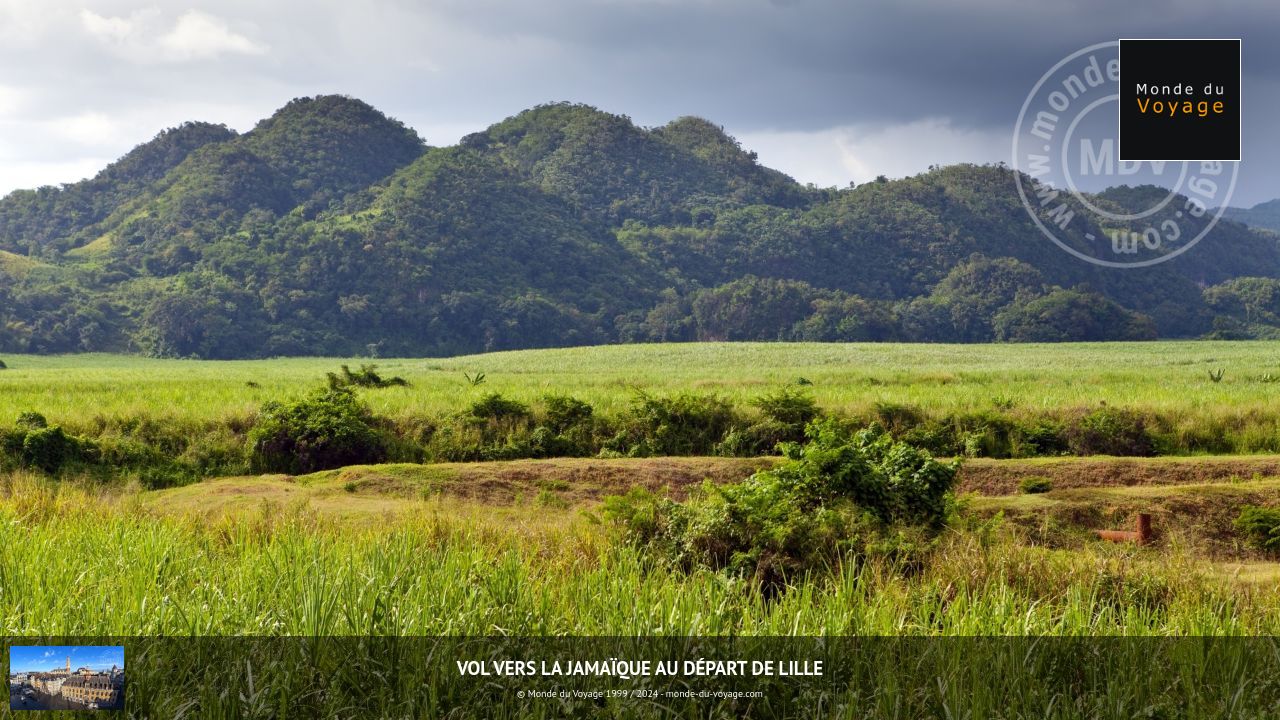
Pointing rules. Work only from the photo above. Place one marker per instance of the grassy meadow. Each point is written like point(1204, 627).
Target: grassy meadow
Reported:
point(1169, 377)
point(166, 562)
point(339, 603)
point(520, 548)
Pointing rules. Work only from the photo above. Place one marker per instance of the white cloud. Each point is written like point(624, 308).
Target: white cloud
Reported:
point(859, 153)
point(113, 29)
point(29, 175)
point(198, 35)
point(12, 100)
point(25, 25)
point(90, 128)
point(142, 36)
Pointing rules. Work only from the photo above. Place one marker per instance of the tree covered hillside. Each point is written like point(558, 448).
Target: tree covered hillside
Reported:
point(1263, 215)
point(331, 229)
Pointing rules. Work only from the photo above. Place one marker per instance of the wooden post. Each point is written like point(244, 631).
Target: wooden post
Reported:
point(1144, 528)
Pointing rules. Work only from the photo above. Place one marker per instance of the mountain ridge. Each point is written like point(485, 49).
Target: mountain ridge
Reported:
point(1264, 215)
point(330, 228)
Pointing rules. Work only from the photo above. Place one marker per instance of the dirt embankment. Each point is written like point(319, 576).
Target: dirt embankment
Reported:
point(576, 480)
point(586, 480)
point(1001, 477)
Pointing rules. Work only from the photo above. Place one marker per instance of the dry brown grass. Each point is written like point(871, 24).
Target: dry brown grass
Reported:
point(1001, 477)
point(1195, 519)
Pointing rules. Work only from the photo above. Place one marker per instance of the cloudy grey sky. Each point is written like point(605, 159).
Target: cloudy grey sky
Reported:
point(828, 91)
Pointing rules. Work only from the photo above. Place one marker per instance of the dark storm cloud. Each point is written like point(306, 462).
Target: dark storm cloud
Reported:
point(810, 65)
point(86, 80)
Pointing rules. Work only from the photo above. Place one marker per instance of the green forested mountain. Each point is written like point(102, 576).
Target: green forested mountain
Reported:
point(331, 229)
point(1263, 215)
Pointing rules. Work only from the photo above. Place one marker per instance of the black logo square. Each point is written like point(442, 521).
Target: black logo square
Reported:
point(1179, 100)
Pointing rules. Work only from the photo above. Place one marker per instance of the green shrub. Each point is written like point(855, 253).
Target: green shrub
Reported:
point(496, 428)
point(788, 406)
point(984, 434)
point(495, 407)
point(762, 438)
point(936, 436)
point(541, 442)
point(1042, 436)
point(3, 366)
point(1260, 527)
point(32, 420)
point(11, 446)
point(493, 428)
point(1035, 484)
point(840, 492)
point(142, 458)
point(366, 377)
point(50, 448)
point(684, 424)
point(785, 415)
point(1109, 431)
point(565, 413)
point(327, 429)
point(898, 417)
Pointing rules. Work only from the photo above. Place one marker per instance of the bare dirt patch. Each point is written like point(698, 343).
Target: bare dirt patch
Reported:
point(1001, 477)
point(584, 480)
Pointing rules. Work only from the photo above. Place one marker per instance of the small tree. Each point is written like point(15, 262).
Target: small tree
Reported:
point(328, 429)
point(835, 494)
point(367, 376)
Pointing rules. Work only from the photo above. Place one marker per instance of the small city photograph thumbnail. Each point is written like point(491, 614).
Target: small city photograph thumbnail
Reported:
point(66, 677)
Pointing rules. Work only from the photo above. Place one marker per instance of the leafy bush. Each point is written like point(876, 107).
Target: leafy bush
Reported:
point(327, 429)
point(46, 448)
point(3, 366)
point(493, 428)
point(34, 443)
point(153, 467)
point(367, 376)
point(788, 406)
point(32, 420)
point(840, 492)
point(761, 438)
point(495, 407)
point(11, 446)
point(565, 413)
point(1261, 527)
point(898, 417)
point(1109, 431)
point(785, 415)
point(684, 424)
point(1035, 484)
point(1043, 436)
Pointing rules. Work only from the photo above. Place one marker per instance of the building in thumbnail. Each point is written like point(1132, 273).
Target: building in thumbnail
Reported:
point(84, 687)
point(49, 683)
point(94, 688)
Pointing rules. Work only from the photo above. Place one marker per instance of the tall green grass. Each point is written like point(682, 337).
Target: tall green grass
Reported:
point(1167, 376)
point(198, 411)
point(75, 562)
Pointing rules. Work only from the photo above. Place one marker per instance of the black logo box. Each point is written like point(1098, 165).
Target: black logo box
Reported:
point(1180, 62)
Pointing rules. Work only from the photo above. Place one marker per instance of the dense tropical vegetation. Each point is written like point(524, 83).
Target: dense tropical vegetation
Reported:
point(332, 229)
